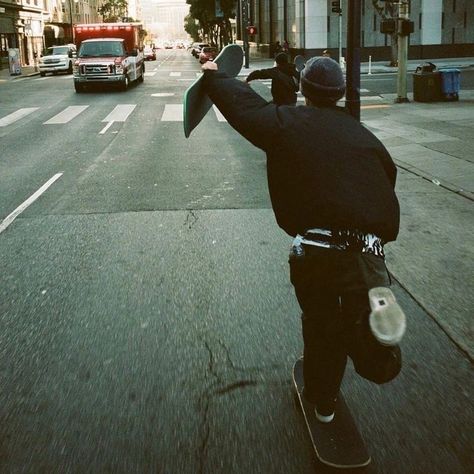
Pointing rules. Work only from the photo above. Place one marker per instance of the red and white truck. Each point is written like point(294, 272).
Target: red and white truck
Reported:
point(108, 53)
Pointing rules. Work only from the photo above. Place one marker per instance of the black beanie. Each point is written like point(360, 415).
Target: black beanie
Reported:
point(281, 58)
point(322, 80)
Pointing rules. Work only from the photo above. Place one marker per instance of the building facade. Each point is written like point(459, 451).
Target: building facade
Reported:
point(29, 26)
point(442, 28)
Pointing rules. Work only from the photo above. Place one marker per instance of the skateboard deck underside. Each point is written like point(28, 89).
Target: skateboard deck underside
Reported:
point(196, 102)
point(339, 443)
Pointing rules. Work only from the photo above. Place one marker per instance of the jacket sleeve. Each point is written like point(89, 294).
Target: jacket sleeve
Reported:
point(246, 111)
point(260, 74)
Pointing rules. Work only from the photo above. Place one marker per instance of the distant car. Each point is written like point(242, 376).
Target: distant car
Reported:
point(149, 53)
point(57, 59)
point(197, 47)
point(207, 53)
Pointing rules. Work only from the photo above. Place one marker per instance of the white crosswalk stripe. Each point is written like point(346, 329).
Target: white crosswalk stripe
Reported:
point(219, 115)
point(67, 114)
point(120, 113)
point(150, 74)
point(172, 113)
point(19, 114)
point(175, 74)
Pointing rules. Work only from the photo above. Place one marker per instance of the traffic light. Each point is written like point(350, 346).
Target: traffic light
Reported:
point(252, 30)
point(336, 6)
point(407, 27)
point(388, 26)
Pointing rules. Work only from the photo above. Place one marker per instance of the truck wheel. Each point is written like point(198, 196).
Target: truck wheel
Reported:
point(42, 74)
point(125, 83)
point(78, 87)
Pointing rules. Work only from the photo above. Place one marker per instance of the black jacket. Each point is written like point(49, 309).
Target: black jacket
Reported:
point(285, 82)
point(324, 168)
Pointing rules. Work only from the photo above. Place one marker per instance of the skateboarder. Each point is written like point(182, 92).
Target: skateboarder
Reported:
point(331, 183)
point(285, 79)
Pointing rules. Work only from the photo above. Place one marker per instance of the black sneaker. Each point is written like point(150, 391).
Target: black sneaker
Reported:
point(387, 320)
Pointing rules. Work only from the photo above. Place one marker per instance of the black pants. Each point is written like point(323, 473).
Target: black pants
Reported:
point(332, 290)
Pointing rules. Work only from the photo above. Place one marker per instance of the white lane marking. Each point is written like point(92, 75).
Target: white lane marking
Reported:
point(120, 113)
point(267, 83)
point(67, 114)
point(43, 78)
point(19, 114)
point(175, 74)
point(12, 216)
point(106, 128)
point(172, 113)
point(199, 74)
point(364, 90)
point(163, 94)
point(219, 115)
point(156, 69)
point(370, 97)
point(150, 74)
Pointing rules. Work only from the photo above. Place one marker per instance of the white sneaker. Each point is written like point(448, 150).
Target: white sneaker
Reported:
point(323, 418)
point(387, 320)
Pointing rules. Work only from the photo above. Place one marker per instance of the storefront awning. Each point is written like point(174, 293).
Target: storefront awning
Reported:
point(6, 25)
point(56, 31)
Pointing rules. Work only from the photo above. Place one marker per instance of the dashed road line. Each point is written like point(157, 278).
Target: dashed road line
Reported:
point(12, 216)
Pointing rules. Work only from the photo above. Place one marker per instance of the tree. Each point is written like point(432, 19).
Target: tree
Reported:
point(389, 11)
point(113, 10)
point(191, 27)
point(217, 30)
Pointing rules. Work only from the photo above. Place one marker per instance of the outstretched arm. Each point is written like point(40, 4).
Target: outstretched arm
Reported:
point(245, 110)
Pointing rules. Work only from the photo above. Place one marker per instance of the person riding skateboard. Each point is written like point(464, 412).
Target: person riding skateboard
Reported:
point(332, 187)
point(285, 79)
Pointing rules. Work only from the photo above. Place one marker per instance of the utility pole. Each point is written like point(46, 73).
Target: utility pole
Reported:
point(353, 58)
point(405, 27)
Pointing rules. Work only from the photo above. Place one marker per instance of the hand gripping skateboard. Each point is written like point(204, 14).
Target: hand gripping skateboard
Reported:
point(196, 101)
point(338, 443)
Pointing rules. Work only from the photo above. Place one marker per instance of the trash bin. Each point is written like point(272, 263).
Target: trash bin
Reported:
point(450, 83)
point(426, 83)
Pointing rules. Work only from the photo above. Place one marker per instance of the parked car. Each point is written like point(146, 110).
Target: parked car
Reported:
point(207, 53)
point(197, 47)
point(149, 53)
point(57, 59)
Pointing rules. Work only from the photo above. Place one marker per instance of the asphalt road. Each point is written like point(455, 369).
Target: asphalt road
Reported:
point(147, 324)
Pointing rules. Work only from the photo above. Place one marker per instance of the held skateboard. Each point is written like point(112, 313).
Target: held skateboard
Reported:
point(196, 101)
point(338, 443)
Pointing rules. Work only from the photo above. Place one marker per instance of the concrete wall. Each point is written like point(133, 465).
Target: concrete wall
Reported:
point(316, 24)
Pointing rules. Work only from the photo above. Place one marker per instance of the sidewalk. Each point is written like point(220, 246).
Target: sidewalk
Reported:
point(26, 71)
